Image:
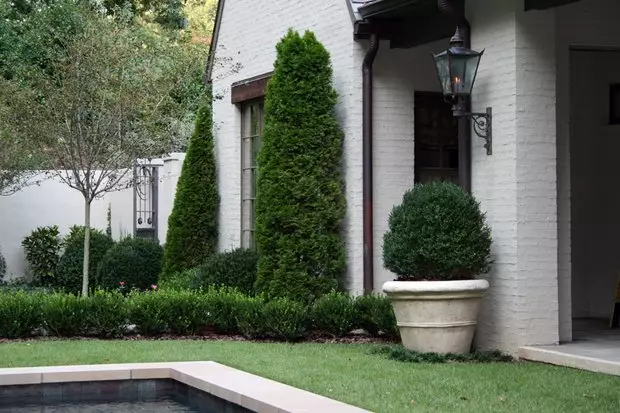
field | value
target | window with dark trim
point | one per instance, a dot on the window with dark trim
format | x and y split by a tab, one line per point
252	120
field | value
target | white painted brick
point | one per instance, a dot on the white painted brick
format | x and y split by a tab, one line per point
248	35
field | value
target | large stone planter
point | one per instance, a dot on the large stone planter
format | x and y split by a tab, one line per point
436	316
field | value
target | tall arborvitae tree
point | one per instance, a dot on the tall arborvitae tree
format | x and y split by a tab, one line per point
192	226
301	204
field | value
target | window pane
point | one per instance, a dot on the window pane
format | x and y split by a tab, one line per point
252	127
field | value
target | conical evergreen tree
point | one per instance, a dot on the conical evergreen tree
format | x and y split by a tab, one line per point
300	203
192	225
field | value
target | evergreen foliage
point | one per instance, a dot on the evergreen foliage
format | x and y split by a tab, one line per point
134	261
236	269
300	202
437	233
192	226
68	275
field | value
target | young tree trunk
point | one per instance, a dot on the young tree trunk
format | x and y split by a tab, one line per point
86	248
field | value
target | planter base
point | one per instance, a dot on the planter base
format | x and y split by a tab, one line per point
436	316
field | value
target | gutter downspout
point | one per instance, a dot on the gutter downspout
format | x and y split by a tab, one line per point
456	10
371	53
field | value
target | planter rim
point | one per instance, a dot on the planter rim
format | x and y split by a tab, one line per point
395	287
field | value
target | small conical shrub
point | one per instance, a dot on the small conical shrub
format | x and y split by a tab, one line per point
192	225
300	202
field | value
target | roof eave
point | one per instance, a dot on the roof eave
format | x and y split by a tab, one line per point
213	45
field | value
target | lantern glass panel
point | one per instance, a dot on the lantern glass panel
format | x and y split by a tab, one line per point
442	61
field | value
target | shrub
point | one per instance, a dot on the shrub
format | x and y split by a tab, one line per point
334	313
106	314
148	312
250	318
42	249
2	268
375	314
285	319
65	315
192	225
20	314
186	312
180	280
134	261
437	233
76	235
300	201
69	271
236	269
222	304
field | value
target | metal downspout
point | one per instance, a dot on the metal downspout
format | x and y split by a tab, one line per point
371	53
456	10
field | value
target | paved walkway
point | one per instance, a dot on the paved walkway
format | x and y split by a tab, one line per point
595	347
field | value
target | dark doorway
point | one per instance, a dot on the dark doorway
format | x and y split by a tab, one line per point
436	139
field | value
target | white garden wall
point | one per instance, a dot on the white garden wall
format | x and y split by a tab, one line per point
54	203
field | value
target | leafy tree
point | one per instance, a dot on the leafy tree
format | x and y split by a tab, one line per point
98	109
300	204
192	225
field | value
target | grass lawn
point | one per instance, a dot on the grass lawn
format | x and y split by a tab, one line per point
350	374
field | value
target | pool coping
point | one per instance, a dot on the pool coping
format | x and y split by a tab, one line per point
235	386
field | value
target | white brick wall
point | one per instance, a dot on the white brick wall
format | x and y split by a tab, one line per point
538	312
247	39
398	74
494	178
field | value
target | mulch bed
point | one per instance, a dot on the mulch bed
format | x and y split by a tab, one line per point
212	336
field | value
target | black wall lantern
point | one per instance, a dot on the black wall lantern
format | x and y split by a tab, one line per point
457	68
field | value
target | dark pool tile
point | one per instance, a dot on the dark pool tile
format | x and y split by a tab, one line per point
110	388
128	388
91	387
164	387
147	388
28	390
71	389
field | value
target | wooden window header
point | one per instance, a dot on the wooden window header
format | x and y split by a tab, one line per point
249	89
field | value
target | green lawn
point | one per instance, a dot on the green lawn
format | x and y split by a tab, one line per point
350	374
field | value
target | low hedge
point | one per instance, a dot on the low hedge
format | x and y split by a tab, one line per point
188	312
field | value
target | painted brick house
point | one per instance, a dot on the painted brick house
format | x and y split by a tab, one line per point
549	73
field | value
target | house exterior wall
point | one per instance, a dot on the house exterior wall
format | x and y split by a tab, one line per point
517	184
249	32
398	74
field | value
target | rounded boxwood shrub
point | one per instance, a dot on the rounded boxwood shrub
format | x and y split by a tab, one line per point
334	314
300	202
134	261
69	270
437	233
236	269
375	314
192	225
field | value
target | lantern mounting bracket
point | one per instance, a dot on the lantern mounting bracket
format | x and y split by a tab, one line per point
482	123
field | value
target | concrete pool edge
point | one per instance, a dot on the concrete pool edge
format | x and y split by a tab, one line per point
238	387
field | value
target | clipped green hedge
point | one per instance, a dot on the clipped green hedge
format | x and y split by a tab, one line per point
134	261
187	312
300	204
